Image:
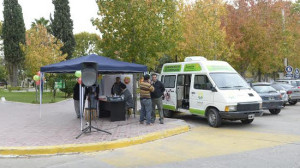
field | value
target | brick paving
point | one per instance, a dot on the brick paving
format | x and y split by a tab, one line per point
21	125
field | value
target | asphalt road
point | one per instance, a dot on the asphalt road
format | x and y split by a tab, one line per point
271	141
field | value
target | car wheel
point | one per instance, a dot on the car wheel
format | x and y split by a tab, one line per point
247	121
293	102
274	111
168	113
214	118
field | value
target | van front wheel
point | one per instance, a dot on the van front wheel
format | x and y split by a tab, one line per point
213	117
168	113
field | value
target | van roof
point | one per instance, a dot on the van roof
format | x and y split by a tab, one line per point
197	66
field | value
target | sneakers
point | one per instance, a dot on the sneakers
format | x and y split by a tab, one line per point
161	121
141	122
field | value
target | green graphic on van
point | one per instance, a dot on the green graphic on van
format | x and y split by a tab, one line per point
197	111
169	107
192	67
200	95
213	68
172	68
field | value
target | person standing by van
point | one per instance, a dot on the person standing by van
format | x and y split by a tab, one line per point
145	89
156	98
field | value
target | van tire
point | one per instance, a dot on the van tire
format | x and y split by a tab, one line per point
213	117
247	121
275	111
168	113
291	102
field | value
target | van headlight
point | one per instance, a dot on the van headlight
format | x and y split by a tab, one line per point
230	108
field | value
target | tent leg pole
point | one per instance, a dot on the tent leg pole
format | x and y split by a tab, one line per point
134	94
41	77
80	106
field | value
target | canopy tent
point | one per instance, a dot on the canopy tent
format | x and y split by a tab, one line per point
105	65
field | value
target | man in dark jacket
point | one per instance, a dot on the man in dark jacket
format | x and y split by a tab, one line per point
116	88
128	100
76	99
156	98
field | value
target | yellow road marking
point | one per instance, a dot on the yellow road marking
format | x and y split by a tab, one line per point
200	142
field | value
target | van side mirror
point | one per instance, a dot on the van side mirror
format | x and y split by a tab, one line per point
213	89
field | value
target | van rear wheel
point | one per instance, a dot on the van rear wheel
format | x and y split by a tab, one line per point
213	117
168	113
247	121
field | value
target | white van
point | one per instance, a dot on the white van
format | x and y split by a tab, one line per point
211	89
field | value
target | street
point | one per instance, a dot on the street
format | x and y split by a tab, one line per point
270	141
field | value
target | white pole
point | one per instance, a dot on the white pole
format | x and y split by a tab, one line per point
82	100
41	77
80	105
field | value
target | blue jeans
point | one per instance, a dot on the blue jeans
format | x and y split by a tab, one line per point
146	110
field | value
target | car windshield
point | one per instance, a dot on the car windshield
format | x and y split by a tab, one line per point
286	86
277	87
229	81
264	89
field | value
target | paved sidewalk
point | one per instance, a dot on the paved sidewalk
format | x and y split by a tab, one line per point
21	125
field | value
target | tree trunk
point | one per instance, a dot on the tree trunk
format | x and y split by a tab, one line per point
13	74
259	75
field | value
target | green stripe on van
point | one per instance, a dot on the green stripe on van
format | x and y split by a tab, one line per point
172	68
192	67
197	111
213	68
169	107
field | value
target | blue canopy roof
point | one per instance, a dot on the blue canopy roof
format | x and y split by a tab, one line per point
105	65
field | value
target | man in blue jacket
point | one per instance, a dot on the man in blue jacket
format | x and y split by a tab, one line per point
156	98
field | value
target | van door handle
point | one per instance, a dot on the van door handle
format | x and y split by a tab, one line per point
193	92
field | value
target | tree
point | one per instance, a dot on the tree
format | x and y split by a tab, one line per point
202	31
13	33
62	26
262	35
41	21
41	49
87	43
137	31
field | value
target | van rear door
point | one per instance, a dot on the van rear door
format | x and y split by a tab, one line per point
170	99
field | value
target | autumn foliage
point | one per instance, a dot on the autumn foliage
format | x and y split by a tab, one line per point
41	49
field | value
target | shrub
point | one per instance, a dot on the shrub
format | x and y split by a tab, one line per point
17	88
69	85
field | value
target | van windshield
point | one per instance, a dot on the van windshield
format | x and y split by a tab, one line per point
229	81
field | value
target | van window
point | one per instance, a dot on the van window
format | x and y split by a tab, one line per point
180	80
201	82
169	81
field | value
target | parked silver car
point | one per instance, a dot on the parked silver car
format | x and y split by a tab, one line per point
292	92
282	91
272	100
293	82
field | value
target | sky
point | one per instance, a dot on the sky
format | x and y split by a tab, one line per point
81	13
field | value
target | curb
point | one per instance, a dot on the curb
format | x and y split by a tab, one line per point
91	147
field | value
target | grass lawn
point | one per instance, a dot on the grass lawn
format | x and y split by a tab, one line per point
29	97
